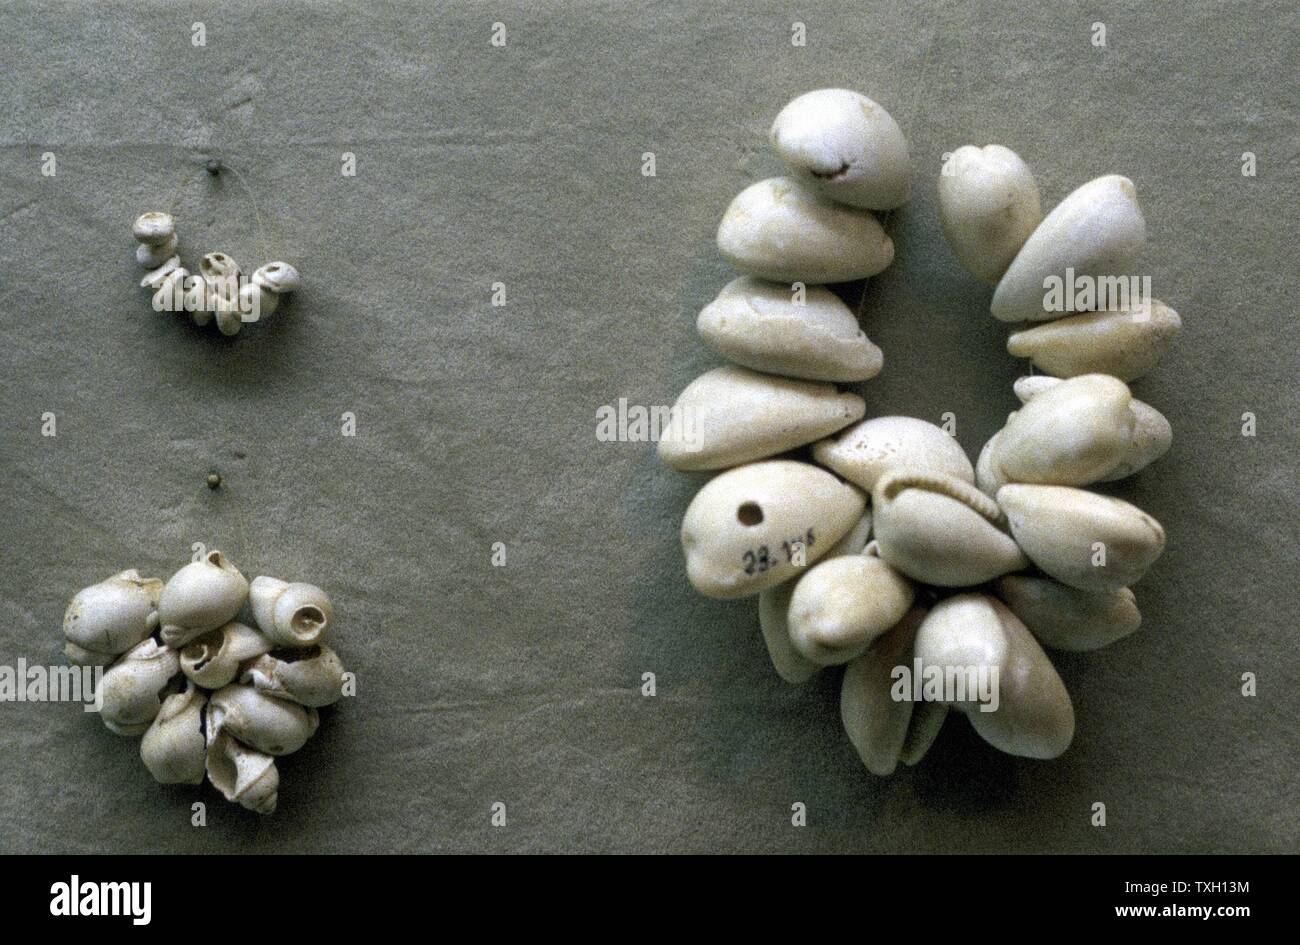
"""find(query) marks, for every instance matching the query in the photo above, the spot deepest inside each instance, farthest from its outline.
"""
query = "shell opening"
(307, 620)
(749, 514)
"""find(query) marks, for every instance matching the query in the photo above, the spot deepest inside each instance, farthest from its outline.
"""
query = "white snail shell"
(108, 618)
(242, 774)
(201, 596)
(213, 659)
(313, 679)
(290, 614)
(173, 748)
(132, 688)
(273, 726)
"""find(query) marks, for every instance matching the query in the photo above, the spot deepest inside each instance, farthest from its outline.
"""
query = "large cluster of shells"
(878, 543)
(210, 695)
(216, 290)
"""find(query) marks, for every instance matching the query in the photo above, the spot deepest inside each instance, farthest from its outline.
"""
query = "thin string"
(259, 230)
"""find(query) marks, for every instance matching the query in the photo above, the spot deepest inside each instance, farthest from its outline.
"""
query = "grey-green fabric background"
(522, 165)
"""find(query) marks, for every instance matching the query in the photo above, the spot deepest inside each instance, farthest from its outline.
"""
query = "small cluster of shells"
(904, 550)
(215, 290)
(209, 694)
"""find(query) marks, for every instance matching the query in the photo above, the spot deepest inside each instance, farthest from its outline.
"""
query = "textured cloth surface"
(476, 424)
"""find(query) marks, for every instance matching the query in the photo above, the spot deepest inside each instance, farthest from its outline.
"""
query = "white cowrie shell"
(941, 530)
(988, 205)
(1096, 231)
(221, 273)
(173, 749)
(132, 688)
(151, 257)
(311, 677)
(1031, 385)
(865, 451)
(988, 477)
(1124, 343)
(213, 659)
(927, 721)
(1152, 433)
(777, 230)
(841, 606)
(1064, 531)
(760, 325)
(1071, 434)
(278, 278)
(155, 277)
(740, 530)
(200, 597)
(774, 609)
(845, 146)
(109, 618)
(296, 615)
(876, 723)
(273, 726)
(1152, 437)
(1034, 717)
(255, 301)
(154, 228)
(731, 415)
(1066, 618)
(240, 773)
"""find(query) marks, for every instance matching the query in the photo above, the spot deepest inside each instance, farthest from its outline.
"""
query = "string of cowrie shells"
(890, 547)
(210, 695)
(217, 289)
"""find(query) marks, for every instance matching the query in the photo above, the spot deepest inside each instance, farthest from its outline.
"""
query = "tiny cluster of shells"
(216, 290)
(880, 544)
(210, 695)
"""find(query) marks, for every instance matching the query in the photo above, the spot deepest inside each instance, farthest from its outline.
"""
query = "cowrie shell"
(1073, 433)
(865, 451)
(1097, 230)
(939, 529)
(774, 609)
(1066, 618)
(1064, 531)
(1152, 433)
(927, 721)
(741, 530)
(876, 723)
(1034, 717)
(760, 325)
(988, 205)
(777, 230)
(988, 477)
(842, 605)
(1124, 343)
(732, 415)
(846, 147)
